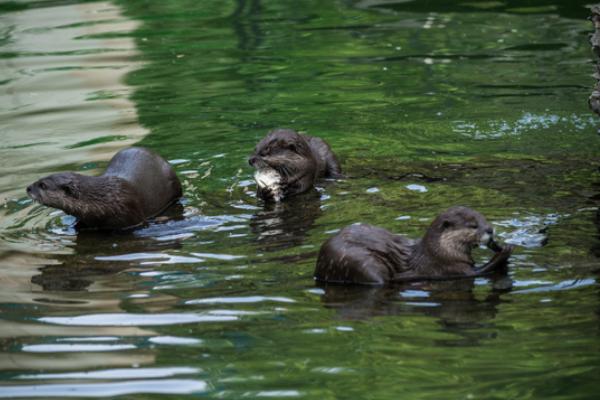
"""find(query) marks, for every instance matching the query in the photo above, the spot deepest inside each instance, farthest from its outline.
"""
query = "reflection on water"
(282, 225)
(167, 386)
(130, 319)
(427, 104)
(452, 303)
(59, 63)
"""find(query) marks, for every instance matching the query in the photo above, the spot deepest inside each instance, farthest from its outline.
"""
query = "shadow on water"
(570, 9)
(594, 198)
(77, 271)
(282, 225)
(97, 255)
(245, 24)
(452, 303)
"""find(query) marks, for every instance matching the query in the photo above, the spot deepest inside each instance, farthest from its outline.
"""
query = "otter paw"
(269, 194)
(265, 193)
(504, 253)
(289, 189)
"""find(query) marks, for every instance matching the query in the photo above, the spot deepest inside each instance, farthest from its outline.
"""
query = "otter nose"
(489, 230)
(252, 160)
(29, 189)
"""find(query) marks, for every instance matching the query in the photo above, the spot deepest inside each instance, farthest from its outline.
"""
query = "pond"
(428, 104)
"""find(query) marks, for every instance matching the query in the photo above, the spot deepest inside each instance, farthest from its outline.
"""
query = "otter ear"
(69, 190)
(447, 224)
(472, 225)
(264, 151)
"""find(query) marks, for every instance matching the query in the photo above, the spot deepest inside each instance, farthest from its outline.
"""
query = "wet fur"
(300, 160)
(137, 184)
(365, 254)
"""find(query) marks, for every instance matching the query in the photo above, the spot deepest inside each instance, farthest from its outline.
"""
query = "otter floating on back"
(138, 184)
(368, 255)
(288, 163)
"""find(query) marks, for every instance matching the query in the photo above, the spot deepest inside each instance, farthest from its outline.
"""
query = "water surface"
(427, 103)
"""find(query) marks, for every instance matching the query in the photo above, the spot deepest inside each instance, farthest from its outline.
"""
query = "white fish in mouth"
(269, 179)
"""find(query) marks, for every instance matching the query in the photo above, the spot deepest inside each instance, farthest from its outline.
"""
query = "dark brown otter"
(289, 163)
(368, 255)
(137, 184)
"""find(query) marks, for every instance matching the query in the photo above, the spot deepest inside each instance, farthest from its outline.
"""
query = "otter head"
(58, 190)
(282, 158)
(455, 232)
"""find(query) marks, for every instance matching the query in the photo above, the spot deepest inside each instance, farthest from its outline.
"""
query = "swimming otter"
(137, 184)
(288, 163)
(368, 255)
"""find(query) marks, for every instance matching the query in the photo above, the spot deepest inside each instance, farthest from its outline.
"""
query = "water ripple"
(526, 123)
(117, 373)
(528, 231)
(71, 348)
(159, 386)
(236, 300)
(564, 285)
(174, 340)
(190, 224)
(225, 257)
(125, 319)
(154, 258)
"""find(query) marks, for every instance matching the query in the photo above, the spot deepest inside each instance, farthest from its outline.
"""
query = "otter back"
(362, 254)
(150, 175)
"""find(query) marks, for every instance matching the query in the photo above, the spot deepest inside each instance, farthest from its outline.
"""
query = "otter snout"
(257, 162)
(33, 191)
(487, 236)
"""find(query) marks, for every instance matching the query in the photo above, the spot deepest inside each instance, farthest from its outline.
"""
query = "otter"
(138, 184)
(367, 255)
(288, 163)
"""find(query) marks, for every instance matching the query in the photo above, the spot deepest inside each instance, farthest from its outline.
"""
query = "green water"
(428, 104)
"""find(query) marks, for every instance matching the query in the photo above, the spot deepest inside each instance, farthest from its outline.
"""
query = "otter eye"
(43, 186)
(292, 147)
(472, 225)
(447, 224)
(67, 189)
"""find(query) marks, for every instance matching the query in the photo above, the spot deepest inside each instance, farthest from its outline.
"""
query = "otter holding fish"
(288, 163)
(138, 184)
(368, 255)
